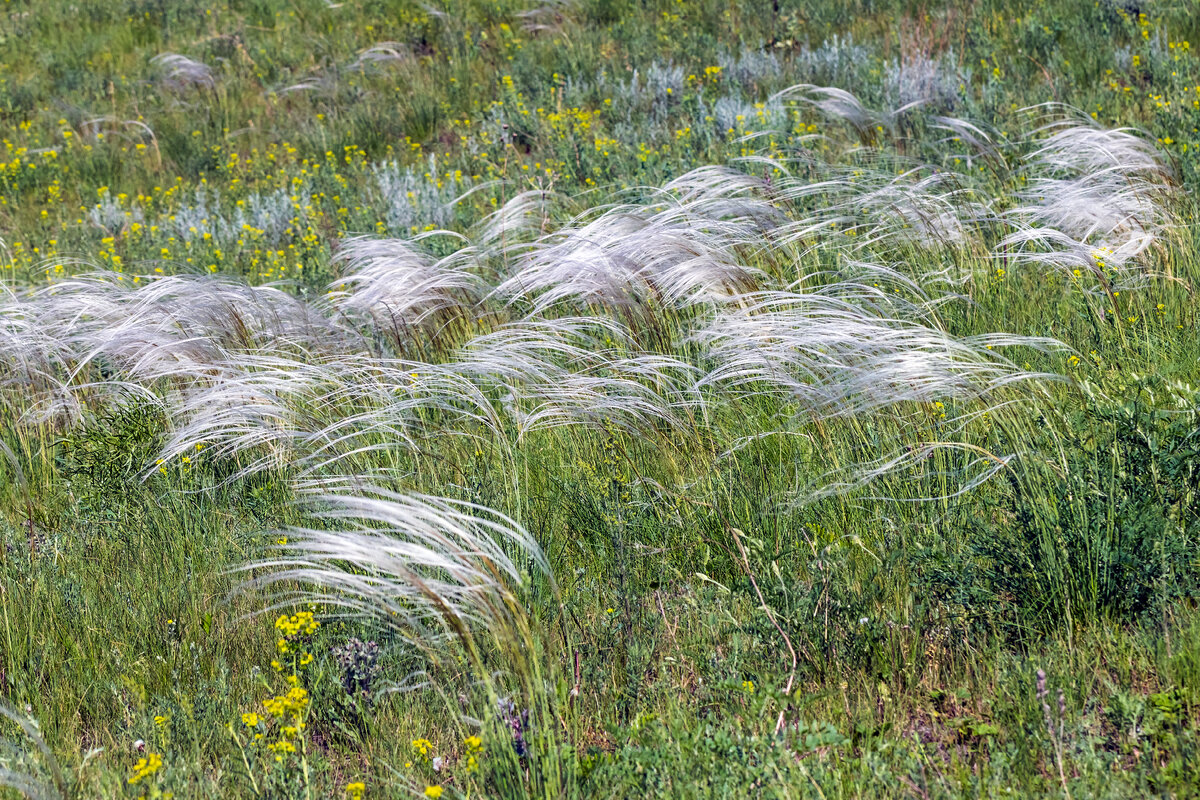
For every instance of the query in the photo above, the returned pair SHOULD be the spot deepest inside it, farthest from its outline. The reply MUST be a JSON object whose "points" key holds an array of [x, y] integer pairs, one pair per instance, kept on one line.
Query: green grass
{"points": [[712, 618]]}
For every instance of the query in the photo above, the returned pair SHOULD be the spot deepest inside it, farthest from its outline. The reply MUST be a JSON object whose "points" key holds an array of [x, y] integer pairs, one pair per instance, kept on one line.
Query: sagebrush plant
{"points": [[598, 399]]}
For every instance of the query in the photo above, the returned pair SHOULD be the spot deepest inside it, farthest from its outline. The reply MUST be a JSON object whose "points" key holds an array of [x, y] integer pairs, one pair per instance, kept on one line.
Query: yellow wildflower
{"points": [[145, 767]]}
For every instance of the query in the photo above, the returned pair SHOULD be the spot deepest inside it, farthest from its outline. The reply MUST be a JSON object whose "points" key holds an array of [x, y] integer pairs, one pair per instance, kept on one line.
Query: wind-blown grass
{"points": [[607, 418]]}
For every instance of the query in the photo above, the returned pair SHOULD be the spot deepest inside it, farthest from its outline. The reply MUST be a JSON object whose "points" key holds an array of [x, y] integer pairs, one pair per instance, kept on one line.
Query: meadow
{"points": [[599, 398]]}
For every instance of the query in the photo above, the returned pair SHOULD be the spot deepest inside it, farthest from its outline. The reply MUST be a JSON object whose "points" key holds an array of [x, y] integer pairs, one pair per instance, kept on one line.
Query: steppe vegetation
{"points": [[600, 398]]}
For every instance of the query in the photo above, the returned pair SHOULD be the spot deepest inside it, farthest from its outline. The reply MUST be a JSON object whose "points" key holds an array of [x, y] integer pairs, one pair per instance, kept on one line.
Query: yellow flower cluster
{"points": [[299, 624], [296, 629], [145, 767], [423, 747], [293, 704], [289, 710], [474, 747], [356, 790]]}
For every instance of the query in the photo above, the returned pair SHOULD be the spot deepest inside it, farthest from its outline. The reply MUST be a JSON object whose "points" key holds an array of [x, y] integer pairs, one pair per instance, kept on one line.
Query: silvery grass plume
{"points": [[980, 143], [504, 238], [839, 104], [878, 289], [432, 569], [639, 395], [32, 356], [180, 72], [114, 126], [720, 193], [622, 260], [380, 411], [42, 359], [320, 414], [313, 413], [577, 371], [975, 467], [870, 207], [1107, 268], [831, 358], [452, 582], [259, 406], [928, 211], [523, 218], [400, 286], [379, 55], [536, 351], [321, 82], [98, 337], [679, 251], [178, 324], [240, 317], [1096, 199], [1075, 143]]}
